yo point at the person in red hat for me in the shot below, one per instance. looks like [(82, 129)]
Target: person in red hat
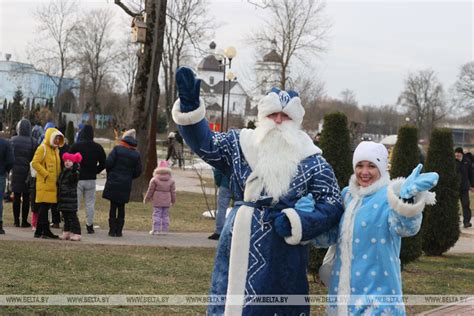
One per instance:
[(67, 196)]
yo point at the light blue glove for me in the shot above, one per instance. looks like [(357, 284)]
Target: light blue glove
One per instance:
[(417, 182), (305, 204)]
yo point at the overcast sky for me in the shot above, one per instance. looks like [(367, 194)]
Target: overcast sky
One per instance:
[(372, 47)]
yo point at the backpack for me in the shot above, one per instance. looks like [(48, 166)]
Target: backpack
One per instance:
[(32, 170)]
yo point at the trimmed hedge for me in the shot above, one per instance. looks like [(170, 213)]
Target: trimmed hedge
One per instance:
[(440, 227)]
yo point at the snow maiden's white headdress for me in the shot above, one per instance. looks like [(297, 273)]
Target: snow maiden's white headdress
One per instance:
[(375, 153), (281, 101)]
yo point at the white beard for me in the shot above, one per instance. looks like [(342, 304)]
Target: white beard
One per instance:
[(278, 155)]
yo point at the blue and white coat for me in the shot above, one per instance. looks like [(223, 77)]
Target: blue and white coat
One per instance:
[(368, 245), (251, 258)]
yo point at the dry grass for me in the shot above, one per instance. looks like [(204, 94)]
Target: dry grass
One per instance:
[(66, 268), (185, 215)]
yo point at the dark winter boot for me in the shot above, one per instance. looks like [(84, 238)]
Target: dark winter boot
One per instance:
[(47, 234), (16, 218), (112, 227), (39, 230), (1, 228), (120, 222), (24, 218)]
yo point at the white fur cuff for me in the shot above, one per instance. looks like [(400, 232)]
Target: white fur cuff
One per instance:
[(407, 209), (188, 118), (296, 228)]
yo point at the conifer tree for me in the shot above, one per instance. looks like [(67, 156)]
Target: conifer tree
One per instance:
[(335, 144), (440, 227), (70, 133), (405, 158)]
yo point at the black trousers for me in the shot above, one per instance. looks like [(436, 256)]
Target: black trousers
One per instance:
[(466, 211), (42, 227), (23, 205), (117, 210), (71, 222), (116, 218), (55, 214)]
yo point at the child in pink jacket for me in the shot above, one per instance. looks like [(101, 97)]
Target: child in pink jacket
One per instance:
[(161, 192)]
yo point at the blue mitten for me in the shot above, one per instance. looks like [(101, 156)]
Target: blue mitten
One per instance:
[(282, 225), (417, 182), (305, 204), (188, 89)]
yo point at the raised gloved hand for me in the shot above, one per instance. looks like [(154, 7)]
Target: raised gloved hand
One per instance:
[(305, 204), (188, 89), (417, 182), (282, 225)]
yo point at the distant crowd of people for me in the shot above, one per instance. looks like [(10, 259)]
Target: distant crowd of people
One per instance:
[(48, 176)]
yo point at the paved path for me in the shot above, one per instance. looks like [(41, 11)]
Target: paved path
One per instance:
[(451, 310), (130, 237), (465, 243), (186, 180), (141, 238)]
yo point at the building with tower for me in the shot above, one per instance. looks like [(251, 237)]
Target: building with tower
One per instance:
[(214, 84)]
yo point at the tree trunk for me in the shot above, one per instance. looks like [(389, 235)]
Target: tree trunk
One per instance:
[(146, 91), (283, 77)]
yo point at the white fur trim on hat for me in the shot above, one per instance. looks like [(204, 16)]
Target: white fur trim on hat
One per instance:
[(374, 152), (131, 132), (188, 118), (296, 227), (273, 103)]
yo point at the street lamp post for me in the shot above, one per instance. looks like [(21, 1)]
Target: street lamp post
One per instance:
[(230, 76), (225, 58)]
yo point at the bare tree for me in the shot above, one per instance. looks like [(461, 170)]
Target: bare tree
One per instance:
[(187, 27), (96, 52), (464, 88), (381, 119), (349, 97), (423, 99), (146, 88), (127, 67), (51, 52), (299, 28)]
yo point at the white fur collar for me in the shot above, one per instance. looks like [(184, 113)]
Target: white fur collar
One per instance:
[(356, 190), (249, 145)]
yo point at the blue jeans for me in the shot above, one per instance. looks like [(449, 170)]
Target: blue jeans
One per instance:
[(2, 192), (223, 200)]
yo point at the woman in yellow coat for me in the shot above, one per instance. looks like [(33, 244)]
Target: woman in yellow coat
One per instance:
[(47, 165)]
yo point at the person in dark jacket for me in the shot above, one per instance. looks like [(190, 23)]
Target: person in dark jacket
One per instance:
[(92, 164), (67, 196), (23, 147), (123, 165), (223, 200), (6, 164), (464, 169)]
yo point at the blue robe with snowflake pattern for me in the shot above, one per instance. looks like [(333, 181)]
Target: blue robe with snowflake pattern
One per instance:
[(274, 266)]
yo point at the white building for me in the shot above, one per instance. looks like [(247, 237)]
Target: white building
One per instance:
[(36, 86), (267, 72), (211, 73)]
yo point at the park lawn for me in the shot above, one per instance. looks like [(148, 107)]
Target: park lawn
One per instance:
[(185, 215), (43, 268)]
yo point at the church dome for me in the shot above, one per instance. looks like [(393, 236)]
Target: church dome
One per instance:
[(210, 63), (272, 56)]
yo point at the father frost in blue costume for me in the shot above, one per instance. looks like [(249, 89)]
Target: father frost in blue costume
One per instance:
[(262, 249)]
